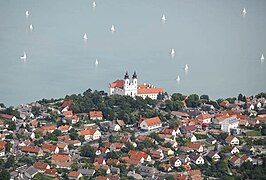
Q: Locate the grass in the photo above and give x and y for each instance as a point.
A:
(253, 133)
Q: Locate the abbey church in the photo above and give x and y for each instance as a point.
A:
(130, 87)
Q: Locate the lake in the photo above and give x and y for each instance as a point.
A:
(221, 46)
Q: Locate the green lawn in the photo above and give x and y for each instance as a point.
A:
(253, 133)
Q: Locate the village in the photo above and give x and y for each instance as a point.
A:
(108, 137)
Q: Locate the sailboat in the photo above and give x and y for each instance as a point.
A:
(178, 78)
(186, 67)
(31, 27)
(96, 62)
(173, 52)
(27, 13)
(262, 57)
(94, 4)
(85, 37)
(24, 56)
(113, 28)
(163, 18)
(244, 11)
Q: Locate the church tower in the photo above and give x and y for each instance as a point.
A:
(130, 86)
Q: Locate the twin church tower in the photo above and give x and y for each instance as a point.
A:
(130, 87)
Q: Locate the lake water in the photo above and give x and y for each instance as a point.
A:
(221, 47)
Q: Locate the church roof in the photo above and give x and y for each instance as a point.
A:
(117, 84)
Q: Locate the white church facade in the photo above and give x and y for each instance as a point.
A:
(130, 87)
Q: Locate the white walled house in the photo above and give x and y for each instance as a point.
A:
(150, 123)
(132, 88)
(232, 140)
(90, 134)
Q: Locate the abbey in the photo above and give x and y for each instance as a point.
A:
(130, 87)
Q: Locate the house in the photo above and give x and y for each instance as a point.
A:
(173, 132)
(49, 148)
(121, 123)
(211, 140)
(65, 129)
(213, 155)
(235, 161)
(104, 167)
(167, 151)
(245, 158)
(166, 167)
(2, 148)
(234, 150)
(99, 160)
(134, 175)
(90, 134)
(68, 114)
(180, 114)
(50, 172)
(157, 154)
(87, 172)
(150, 123)
(184, 158)
(41, 166)
(139, 156)
(176, 161)
(62, 147)
(61, 157)
(232, 140)
(96, 115)
(196, 158)
(196, 147)
(226, 123)
(74, 175)
(195, 174)
(205, 118)
(75, 119)
(49, 129)
(62, 164)
(112, 161)
(8, 117)
(115, 127)
(31, 172)
(32, 150)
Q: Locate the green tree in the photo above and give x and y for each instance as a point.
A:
(87, 151)
(204, 97)
(8, 146)
(178, 105)
(35, 111)
(4, 175)
(10, 162)
(240, 97)
(193, 101)
(177, 97)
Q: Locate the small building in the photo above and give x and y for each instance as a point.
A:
(96, 115)
(74, 175)
(232, 140)
(90, 134)
(213, 155)
(150, 123)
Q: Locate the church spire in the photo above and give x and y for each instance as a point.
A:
(126, 76)
(134, 75)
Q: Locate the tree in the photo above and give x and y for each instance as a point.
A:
(87, 151)
(8, 146)
(11, 125)
(240, 97)
(178, 105)
(177, 96)
(193, 101)
(57, 132)
(10, 162)
(4, 175)
(35, 111)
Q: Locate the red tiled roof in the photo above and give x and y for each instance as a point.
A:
(6, 116)
(41, 165)
(68, 113)
(50, 171)
(64, 128)
(66, 103)
(194, 146)
(117, 84)
(73, 174)
(229, 138)
(204, 116)
(2, 144)
(48, 128)
(96, 114)
(31, 149)
(88, 132)
(48, 147)
(151, 121)
(148, 89)
(60, 157)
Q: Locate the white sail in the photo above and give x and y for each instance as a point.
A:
(94, 4)
(31, 27)
(178, 78)
(163, 18)
(96, 62)
(173, 52)
(186, 67)
(85, 37)
(27, 13)
(24, 56)
(244, 11)
(262, 57)
(113, 28)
